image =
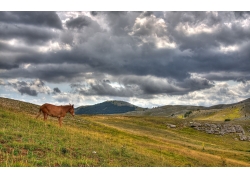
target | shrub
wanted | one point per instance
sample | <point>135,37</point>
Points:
<point>187,113</point>
<point>227,119</point>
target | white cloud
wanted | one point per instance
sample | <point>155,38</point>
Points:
<point>152,30</point>
<point>189,29</point>
<point>53,47</point>
<point>226,49</point>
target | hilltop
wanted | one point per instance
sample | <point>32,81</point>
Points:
<point>108,107</point>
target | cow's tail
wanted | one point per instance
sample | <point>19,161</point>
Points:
<point>39,113</point>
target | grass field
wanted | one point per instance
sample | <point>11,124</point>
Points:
<point>112,141</point>
<point>221,115</point>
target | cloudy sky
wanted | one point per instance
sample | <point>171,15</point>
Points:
<point>146,58</point>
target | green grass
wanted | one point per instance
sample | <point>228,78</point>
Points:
<point>110,141</point>
<point>227,113</point>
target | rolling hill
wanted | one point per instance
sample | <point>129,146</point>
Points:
<point>240,110</point>
<point>108,107</point>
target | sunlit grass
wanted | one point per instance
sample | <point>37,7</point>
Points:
<point>227,113</point>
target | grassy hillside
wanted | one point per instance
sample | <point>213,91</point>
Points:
<point>236,111</point>
<point>108,107</point>
<point>168,110</point>
<point>111,141</point>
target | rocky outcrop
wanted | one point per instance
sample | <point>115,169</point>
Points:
<point>221,129</point>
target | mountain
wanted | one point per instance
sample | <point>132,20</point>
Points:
<point>108,107</point>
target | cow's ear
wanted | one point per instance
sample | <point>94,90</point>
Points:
<point>72,105</point>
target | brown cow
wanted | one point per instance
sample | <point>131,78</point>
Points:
<point>56,111</point>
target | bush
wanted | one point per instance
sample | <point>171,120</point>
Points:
<point>227,119</point>
<point>187,114</point>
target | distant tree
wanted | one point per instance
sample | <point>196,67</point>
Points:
<point>187,114</point>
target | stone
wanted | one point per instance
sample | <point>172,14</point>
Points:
<point>221,129</point>
<point>171,125</point>
<point>213,126</point>
<point>239,129</point>
<point>209,131</point>
<point>243,137</point>
<point>195,124</point>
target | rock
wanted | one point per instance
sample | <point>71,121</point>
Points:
<point>171,125</point>
<point>227,128</point>
<point>239,129</point>
<point>221,129</point>
<point>213,126</point>
<point>209,131</point>
<point>195,124</point>
<point>207,125</point>
<point>243,137</point>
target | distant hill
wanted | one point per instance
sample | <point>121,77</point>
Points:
<point>108,107</point>
<point>240,110</point>
<point>168,110</point>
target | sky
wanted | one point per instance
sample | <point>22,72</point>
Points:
<point>147,58</point>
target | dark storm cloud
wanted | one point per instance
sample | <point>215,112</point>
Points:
<point>31,88</point>
<point>103,88</point>
<point>29,34</point>
<point>147,13</point>
<point>93,13</point>
<point>242,14</point>
<point>4,65</point>
<point>47,19</point>
<point>138,86</point>
<point>193,84</point>
<point>243,80</point>
<point>168,47</point>
<point>28,91</point>
<point>18,84</point>
<point>56,90</point>
<point>27,29</point>
<point>78,22</point>
<point>119,22</point>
